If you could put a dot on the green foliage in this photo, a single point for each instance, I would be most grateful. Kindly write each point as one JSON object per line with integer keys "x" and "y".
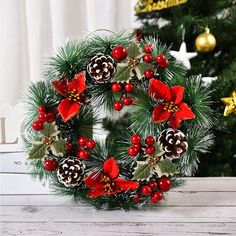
{"x": 142, "y": 171}
{"x": 105, "y": 42}
{"x": 39, "y": 93}
{"x": 124, "y": 70}
{"x": 49, "y": 130}
{"x": 69, "y": 60}
{"x": 123, "y": 73}
{"x": 165, "y": 167}
{"x": 58, "y": 147}
{"x": 199, "y": 98}
{"x": 199, "y": 140}
{"x": 40, "y": 148}
{"x": 134, "y": 51}
{"x": 37, "y": 151}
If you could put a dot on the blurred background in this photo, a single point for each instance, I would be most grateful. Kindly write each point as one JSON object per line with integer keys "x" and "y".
{"x": 202, "y": 34}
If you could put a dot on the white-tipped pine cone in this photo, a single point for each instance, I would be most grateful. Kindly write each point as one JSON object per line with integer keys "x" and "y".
{"x": 101, "y": 68}
{"x": 71, "y": 172}
{"x": 173, "y": 142}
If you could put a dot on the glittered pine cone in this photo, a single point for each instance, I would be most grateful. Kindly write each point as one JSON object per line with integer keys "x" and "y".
{"x": 101, "y": 68}
{"x": 173, "y": 142}
{"x": 71, "y": 172}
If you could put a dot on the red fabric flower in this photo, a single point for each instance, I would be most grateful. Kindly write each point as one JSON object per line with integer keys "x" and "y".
{"x": 107, "y": 182}
{"x": 171, "y": 108}
{"x": 72, "y": 90}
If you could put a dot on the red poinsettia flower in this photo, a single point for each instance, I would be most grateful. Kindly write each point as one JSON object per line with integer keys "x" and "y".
{"x": 71, "y": 90}
{"x": 171, "y": 108}
{"x": 107, "y": 182}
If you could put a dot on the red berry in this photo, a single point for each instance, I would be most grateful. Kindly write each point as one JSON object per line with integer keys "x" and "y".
{"x": 153, "y": 185}
{"x": 156, "y": 197}
{"x": 82, "y": 141}
{"x": 148, "y": 48}
{"x": 50, "y": 165}
{"x": 136, "y": 198}
{"x": 146, "y": 190}
{"x": 133, "y": 151}
{"x": 41, "y": 108}
{"x": 116, "y": 88}
{"x": 83, "y": 154}
{"x": 127, "y": 101}
{"x": 149, "y": 140}
{"x": 160, "y": 58}
{"x": 150, "y": 150}
{"x": 138, "y": 146}
{"x": 69, "y": 146}
{"x": 51, "y": 117}
{"x": 164, "y": 184}
{"x": 164, "y": 64}
{"x": 119, "y": 53}
{"x": 90, "y": 144}
{"x": 118, "y": 106}
{"x": 135, "y": 139}
{"x": 38, "y": 125}
{"x": 129, "y": 87}
{"x": 148, "y": 74}
{"x": 42, "y": 117}
{"x": 148, "y": 58}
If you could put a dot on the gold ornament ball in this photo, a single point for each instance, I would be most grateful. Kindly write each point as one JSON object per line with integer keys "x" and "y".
{"x": 205, "y": 42}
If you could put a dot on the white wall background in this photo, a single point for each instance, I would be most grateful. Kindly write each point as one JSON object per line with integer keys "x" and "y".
{"x": 31, "y": 29}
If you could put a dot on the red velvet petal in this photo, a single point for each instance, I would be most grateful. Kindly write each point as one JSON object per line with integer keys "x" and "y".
{"x": 93, "y": 181}
{"x": 96, "y": 193}
{"x": 177, "y": 93}
{"x": 159, "y": 90}
{"x": 67, "y": 109}
{"x": 78, "y": 83}
{"x": 126, "y": 184}
{"x": 60, "y": 86}
{"x": 112, "y": 192}
{"x": 185, "y": 112}
{"x": 174, "y": 122}
{"x": 111, "y": 168}
{"x": 159, "y": 114}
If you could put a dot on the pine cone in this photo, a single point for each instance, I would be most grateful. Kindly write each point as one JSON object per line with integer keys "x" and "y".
{"x": 70, "y": 172}
{"x": 101, "y": 68}
{"x": 173, "y": 142}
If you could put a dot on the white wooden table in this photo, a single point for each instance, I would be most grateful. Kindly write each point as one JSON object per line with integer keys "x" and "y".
{"x": 204, "y": 206}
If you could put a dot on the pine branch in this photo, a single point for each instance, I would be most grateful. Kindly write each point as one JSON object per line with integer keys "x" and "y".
{"x": 68, "y": 61}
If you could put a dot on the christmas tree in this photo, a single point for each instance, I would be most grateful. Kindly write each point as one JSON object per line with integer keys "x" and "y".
{"x": 190, "y": 22}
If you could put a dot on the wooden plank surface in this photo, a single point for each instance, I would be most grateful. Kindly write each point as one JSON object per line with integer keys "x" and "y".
{"x": 203, "y": 206}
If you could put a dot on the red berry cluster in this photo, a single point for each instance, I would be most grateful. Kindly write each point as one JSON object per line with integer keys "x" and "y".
{"x": 43, "y": 117}
{"x": 119, "y": 53}
{"x": 84, "y": 143}
{"x": 148, "y": 58}
{"x": 137, "y": 147}
{"x": 162, "y": 61}
{"x": 50, "y": 164}
{"x": 153, "y": 189}
{"x": 124, "y": 99}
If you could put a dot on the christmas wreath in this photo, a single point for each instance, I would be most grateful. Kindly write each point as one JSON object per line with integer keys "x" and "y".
{"x": 168, "y": 113}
